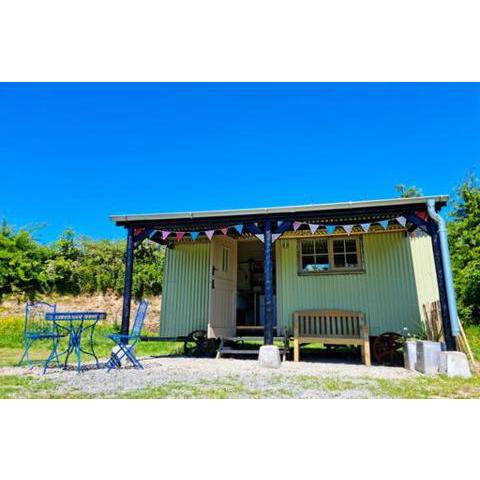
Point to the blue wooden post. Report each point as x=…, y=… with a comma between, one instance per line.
x=267, y=265
x=442, y=291
x=127, y=289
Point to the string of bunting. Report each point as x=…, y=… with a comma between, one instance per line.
x=282, y=227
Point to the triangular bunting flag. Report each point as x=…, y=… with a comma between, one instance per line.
x=152, y=233
x=239, y=228
x=384, y=224
x=296, y=226
x=365, y=226
x=423, y=215
x=165, y=234
x=194, y=235
x=402, y=221
x=330, y=229
x=179, y=235
x=275, y=237
x=209, y=233
x=313, y=227
x=224, y=230
x=261, y=237
x=348, y=229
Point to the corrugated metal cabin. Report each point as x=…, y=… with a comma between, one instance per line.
x=250, y=270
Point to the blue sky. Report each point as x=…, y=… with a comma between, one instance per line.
x=72, y=154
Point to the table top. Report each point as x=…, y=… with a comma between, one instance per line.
x=76, y=316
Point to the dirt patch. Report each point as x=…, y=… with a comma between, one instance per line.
x=105, y=303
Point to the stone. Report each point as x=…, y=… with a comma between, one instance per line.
x=410, y=355
x=428, y=357
x=269, y=356
x=454, y=364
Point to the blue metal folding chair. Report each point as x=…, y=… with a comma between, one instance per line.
x=37, y=327
x=126, y=343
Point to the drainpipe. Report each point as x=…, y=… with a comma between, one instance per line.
x=447, y=269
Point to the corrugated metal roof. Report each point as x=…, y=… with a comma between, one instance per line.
x=301, y=209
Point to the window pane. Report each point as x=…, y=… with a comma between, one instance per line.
x=307, y=247
x=338, y=246
x=321, y=246
x=350, y=246
x=321, y=262
x=308, y=263
x=339, y=260
x=352, y=260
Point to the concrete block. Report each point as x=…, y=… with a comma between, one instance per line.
x=269, y=356
x=454, y=364
x=410, y=355
x=428, y=357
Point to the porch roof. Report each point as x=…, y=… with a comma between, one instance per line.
x=347, y=212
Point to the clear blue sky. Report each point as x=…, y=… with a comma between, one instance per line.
x=74, y=153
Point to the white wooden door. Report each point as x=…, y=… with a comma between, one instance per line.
x=223, y=285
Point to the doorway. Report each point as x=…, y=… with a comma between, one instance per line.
x=250, y=312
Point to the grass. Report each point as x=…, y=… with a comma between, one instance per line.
x=11, y=344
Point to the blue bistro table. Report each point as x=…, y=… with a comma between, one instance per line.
x=75, y=325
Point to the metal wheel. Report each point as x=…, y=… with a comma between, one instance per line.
x=387, y=348
x=197, y=345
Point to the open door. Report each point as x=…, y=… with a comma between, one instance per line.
x=223, y=285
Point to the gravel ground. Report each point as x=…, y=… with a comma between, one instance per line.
x=187, y=377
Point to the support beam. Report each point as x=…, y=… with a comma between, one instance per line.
x=268, y=272
x=127, y=289
x=442, y=290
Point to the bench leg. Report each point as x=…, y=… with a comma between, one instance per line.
x=366, y=353
x=296, y=350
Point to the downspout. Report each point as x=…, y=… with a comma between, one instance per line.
x=447, y=269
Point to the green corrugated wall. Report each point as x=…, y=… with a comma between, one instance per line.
x=185, y=300
x=424, y=268
x=386, y=293
x=399, y=277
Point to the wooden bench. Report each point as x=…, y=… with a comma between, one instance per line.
x=331, y=327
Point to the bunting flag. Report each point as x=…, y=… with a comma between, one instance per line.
x=296, y=226
x=282, y=227
x=423, y=215
x=384, y=224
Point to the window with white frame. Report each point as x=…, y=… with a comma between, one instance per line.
x=330, y=255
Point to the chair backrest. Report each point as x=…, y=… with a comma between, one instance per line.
x=139, y=319
x=35, y=321
x=328, y=323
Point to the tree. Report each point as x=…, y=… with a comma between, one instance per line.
x=22, y=262
x=464, y=242
x=408, y=192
